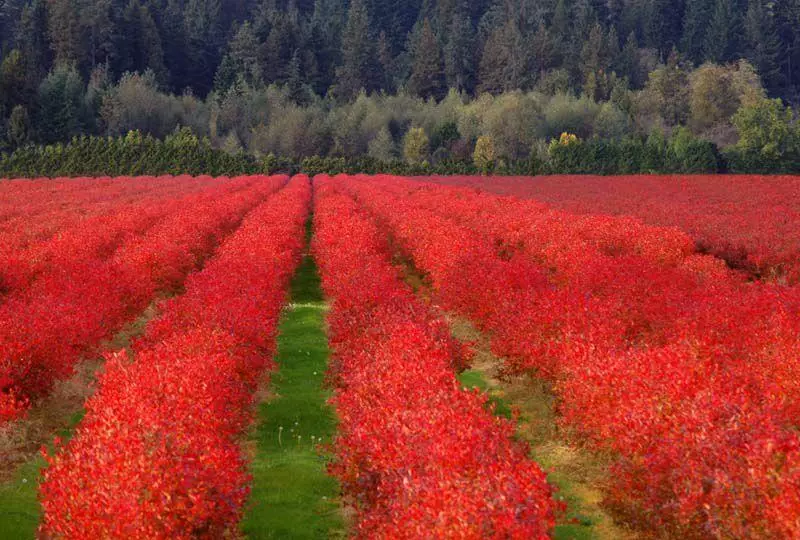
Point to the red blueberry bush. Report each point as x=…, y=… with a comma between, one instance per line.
x=682, y=369
x=751, y=221
x=418, y=456
x=158, y=453
x=48, y=326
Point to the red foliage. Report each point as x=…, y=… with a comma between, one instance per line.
x=157, y=454
x=74, y=304
x=681, y=368
x=753, y=222
x=419, y=456
x=88, y=229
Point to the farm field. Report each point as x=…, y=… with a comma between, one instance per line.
x=387, y=357
x=750, y=221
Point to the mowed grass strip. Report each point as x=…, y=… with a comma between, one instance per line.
x=20, y=511
x=293, y=496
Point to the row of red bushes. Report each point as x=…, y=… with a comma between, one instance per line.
x=47, y=327
x=158, y=453
x=90, y=227
x=687, y=373
x=417, y=455
x=753, y=222
x=34, y=213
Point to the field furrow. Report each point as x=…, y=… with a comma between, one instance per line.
x=158, y=454
x=686, y=375
x=417, y=456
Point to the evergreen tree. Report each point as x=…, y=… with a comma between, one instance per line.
x=427, y=73
x=141, y=49
x=459, y=53
x=387, y=62
x=12, y=82
x=60, y=105
x=787, y=15
x=203, y=43
x=560, y=23
x=325, y=27
x=543, y=51
x=173, y=41
x=504, y=63
x=359, y=63
x=627, y=64
x=242, y=61
x=719, y=45
x=65, y=32
x=664, y=23
x=695, y=25
x=762, y=43
x=595, y=63
x=96, y=21
x=31, y=40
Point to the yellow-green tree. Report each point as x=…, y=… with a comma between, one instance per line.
x=415, y=145
x=484, y=155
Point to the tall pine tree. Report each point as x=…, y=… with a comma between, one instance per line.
x=427, y=71
x=763, y=47
x=359, y=69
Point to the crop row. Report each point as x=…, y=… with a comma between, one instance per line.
x=680, y=368
x=158, y=453
x=418, y=456
x=753, y=222
x=30, y=217
x=83, y=236
x=66, y=313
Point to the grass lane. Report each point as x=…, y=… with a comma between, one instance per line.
x=293, y=496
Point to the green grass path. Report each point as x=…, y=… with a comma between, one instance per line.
x=293, y=497
x=577, y=523
x=20, y=511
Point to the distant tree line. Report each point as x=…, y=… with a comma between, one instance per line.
x=351, y=80
x=769, y=143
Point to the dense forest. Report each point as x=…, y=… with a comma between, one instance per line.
x=329, y=77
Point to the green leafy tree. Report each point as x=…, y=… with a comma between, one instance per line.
x=382, y=146
x=766, y=128
x=19, y=127
x=669, y=87
x=12, y=81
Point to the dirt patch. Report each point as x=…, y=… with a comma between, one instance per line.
x=21, y=440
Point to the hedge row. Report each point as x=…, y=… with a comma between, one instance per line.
x=184, y=153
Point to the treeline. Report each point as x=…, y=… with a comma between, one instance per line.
x=711, y=118
x=351, y=80
x=424, y=46
x=185, y=153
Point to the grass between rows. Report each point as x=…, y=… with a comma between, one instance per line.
x=292, y=495
x=582, y=520
x=20, y=511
